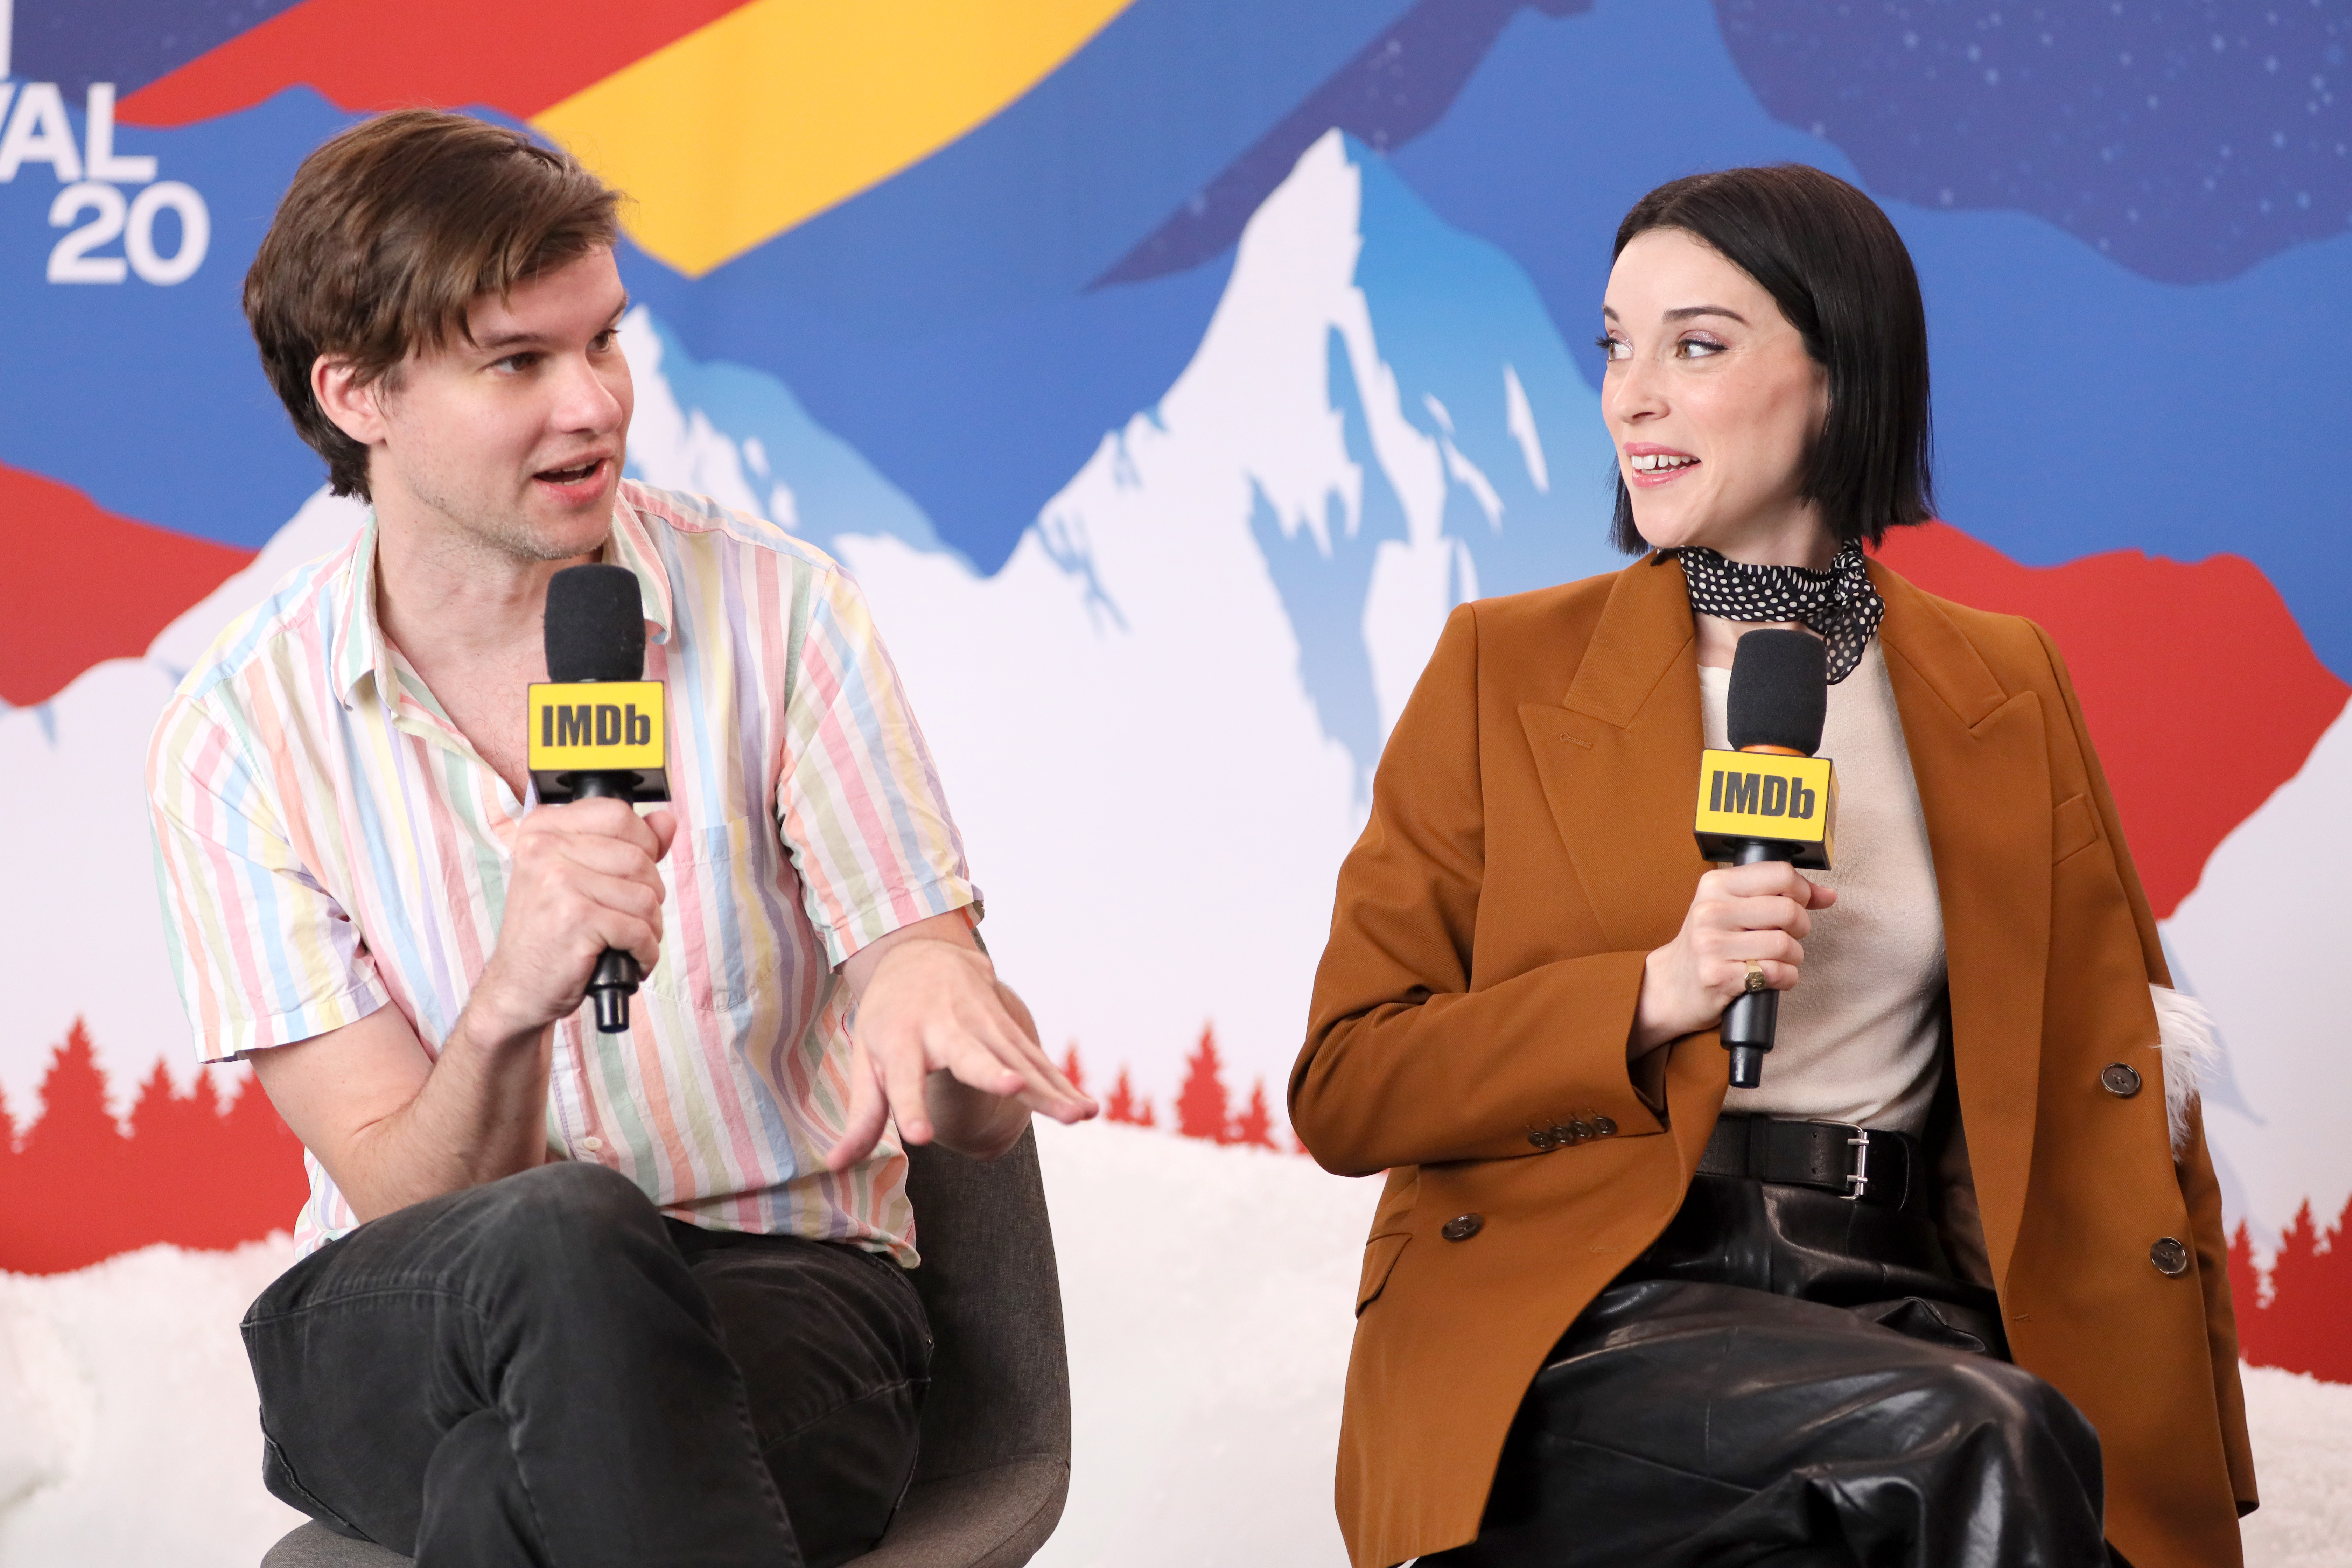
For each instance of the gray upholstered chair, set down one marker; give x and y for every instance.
(995, 1463)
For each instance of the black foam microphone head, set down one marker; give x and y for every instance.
(1779, 691)
(596, 625)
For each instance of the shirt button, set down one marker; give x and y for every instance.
(1463, 1226)
(1541, 1139)
(1602, 1127)
(2169, 1256)
(2120, 1080)
(593, 1143)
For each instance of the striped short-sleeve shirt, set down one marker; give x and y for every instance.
(329, 843)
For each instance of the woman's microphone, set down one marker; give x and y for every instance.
(1769, 798)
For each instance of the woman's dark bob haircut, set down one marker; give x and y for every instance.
(1840, 273)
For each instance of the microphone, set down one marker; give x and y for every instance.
(596, 725)
(1769, 798)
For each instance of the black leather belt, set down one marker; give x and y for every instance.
(1864, 1165)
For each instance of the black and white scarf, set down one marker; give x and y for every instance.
(1839, 603)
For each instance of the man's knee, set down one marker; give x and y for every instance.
(566, 1216)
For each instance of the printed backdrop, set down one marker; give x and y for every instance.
(1166, 370)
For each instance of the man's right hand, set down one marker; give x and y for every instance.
(395, 1125)
(585, 877)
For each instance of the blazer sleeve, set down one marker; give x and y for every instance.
(2199, 1189)
(1410, 1059)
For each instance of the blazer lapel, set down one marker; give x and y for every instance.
(1619, 758)
(1618, 762)
(1983, 771)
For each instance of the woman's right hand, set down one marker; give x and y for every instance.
(1759, 913)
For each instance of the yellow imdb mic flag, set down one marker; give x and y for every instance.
(598, 727)
(1744, 796)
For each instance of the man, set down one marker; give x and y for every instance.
(565, 1296)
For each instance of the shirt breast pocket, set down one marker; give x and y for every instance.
(720, 942)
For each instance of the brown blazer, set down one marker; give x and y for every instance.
(1530, 842)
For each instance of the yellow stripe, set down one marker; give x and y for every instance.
(780, 110)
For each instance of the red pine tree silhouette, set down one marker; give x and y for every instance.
(1122, 1101)
(2300, 1327)
(80, 1190)
(1148, 1117)
(1070, 1070)
(2303, 1327)
(1202, 1106)
(1255, 1125)
(2245, 1280)
(2329, 1306)
(74, 1125)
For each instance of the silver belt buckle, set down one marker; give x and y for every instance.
(1859, 1178)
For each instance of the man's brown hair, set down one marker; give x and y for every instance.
(389, 232)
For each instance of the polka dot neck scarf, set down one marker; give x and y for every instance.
(1839, 603)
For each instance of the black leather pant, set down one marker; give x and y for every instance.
(1786, 1378)
(546, 1370)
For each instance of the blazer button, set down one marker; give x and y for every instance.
(1602, 1127)
(2169, 1256)
(2120, 1080)
(1542, 1139)
(1463, 1226)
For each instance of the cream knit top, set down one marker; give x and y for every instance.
(1858, 1037)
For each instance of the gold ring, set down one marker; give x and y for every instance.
(1755, 976)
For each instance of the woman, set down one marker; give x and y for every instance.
(1612, 1311)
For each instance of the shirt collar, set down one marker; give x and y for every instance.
(631, 545)
(363, 654)
(360, 651)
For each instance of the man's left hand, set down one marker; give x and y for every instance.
(944, 1049)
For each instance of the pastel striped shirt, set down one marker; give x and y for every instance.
(328, 842)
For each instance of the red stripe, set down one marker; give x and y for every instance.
(86, 585)
(518, 57)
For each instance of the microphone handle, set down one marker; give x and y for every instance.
(1754, 1017)
(617, 976)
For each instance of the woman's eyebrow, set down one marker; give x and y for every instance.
(1687, 311)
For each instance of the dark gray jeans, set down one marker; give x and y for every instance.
(547, 1369)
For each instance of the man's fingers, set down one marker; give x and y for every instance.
(903, 1072)
(1015, 1008)
(607, 856)
(595, 899)
(596, 925)
(635, 938)
(603, 818)
(1011, 1039)
(665, 829)
(1032, 1050)
(996, 1067)
(867, 1112)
